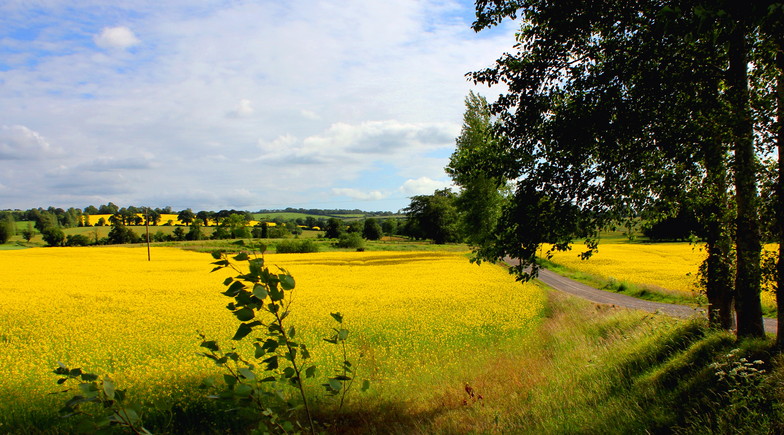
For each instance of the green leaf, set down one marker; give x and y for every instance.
(246, 373)
(229, 379)
(337, 316)
(260, 291)
(310, 372)
(243, 390)
(243, 330)
(272, 362)
(211, 345)
(216, 255)
(245, 314)
(292, 332)
(343, 334)
(259, 352)
(334, 384)
(228, 281)
(89, 377)
(129, 414)
(88, 387)
(108, 388)
(289, 372)
(242, 256)
(365, 386)
(286, 281)
(305, 352)
(276, 294)
(270, 345)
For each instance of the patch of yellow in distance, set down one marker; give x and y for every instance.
(107, 309)
(672, 266)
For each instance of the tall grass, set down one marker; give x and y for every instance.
(595, 369)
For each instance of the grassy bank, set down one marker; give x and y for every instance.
(592, 369)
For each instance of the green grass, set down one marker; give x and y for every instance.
(590, 369)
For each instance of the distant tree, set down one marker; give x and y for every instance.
(77, 240)
(120, 234)
(372, 230)
(389, 226)
(205, 216)
(434, 216)
(350, 240)
(90, 209)
(53, 236)
(334, 228)
(178, 234)
(186, 216)
(45, 220)
(481, 197)
(153, 216)
(109, 208)
(311, 222)
(7, 227)
(29, 232)
(194, 233)
(101, 222)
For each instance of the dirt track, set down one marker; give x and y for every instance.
(579, 289)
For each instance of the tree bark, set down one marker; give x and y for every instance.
(780, 193)
(747, 235)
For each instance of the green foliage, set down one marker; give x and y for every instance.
(334, 228)
(296, 246)
(77, 240)
(433, 217)
(261, 303)
(53, 236)
(350, 240)
(97, 404)
(7, 227)
(120, 234)
(28, 233)
(371, 229)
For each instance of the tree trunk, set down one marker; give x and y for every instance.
(780, 193)
(717, 215)
(747, 235)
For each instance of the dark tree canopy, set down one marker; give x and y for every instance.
(616, 109)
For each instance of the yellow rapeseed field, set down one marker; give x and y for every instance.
(671, 266)
(109, 310)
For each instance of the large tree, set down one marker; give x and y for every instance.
(481, 195)
(433, 217)
(615, 107)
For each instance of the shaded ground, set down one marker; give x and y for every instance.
(579, 289)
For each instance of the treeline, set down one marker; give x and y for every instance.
(189, 225)
(328, 212)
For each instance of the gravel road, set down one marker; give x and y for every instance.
(579, 289)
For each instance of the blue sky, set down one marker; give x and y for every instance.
(234, 104)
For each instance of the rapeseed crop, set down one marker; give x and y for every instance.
(671, 266)
(417, 317)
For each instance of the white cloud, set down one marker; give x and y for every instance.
(309, 114)
(352, 193)
(243, 110)
(116, 38)
(18, 142)
(422, 186)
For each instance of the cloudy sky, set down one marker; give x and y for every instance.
(244, 104)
